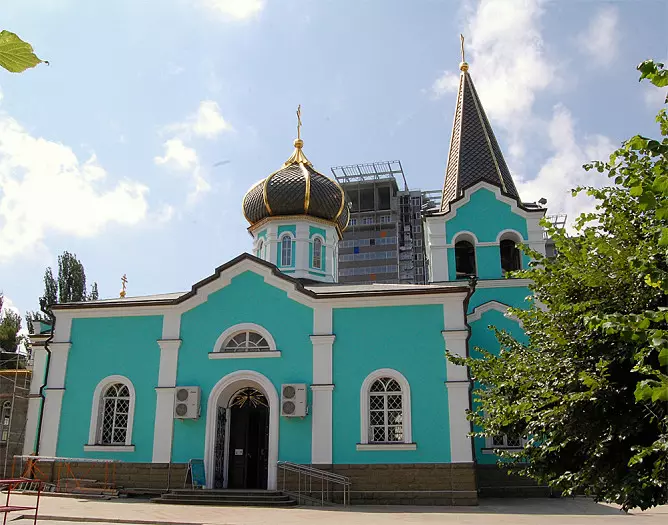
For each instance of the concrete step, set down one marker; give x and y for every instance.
(254, 497)
(245, 498)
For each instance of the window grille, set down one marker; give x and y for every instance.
(286, 251)
(317, 253)
(506, 441)
(115, 415)
(6, 417)
(385, 411)
(246, 341)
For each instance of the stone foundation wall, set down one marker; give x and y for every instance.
(118, 475)
(392, 484)
(495, 482)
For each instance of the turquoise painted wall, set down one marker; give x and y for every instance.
(485, 216)
(483, 337)
(102, 347)
(415, 347)
(247, 299)
(293, 230)
(512, 296)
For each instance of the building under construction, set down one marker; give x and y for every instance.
(384, 242)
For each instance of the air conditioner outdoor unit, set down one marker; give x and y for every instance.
(186, 402)
(293, 400)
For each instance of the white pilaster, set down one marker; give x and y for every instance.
(301, 246)
(164, 416)
(436, 249)
(458, 385)
(34, 402)
(53, 402)
(322, 387)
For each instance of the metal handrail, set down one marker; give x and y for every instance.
(310, 473)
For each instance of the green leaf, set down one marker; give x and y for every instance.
(636, 191)
(663, 357)
(660, 393)
(15, 54)
(663, 240)
(643, 391)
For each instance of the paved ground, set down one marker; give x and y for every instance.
(499, 511)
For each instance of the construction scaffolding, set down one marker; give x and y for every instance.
(14, 394)
(384, 241)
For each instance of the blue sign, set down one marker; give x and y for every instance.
(196, 467)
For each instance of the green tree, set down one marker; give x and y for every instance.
(94, 294)
(50, 287)
(589, 388)
(10, 324)
(71, 279)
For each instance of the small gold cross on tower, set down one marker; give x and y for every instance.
(299, 121)
(463, 65)
(124, 281)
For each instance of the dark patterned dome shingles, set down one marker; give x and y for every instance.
(286, 195)
(286, 190)
(254, 209)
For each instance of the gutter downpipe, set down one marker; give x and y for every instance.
(473, 281)
(49, 313)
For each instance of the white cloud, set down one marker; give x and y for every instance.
(206, 122)
(235, 9)
(563, 169)
(45, 189)
(446, 83)
(178, 156)
(600, 41)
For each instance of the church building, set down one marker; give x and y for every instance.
(269, 361)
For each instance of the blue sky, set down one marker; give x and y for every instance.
(134, 148)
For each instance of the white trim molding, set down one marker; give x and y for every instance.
(96, 415)
(241, 327)
(405, 404)
(243, 355)
(513, 235)
(322, 389)
(386, 446)
(503, 283)
(109, 448)
(481, 309)
(221, 394)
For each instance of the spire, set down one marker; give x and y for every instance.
(474, 154)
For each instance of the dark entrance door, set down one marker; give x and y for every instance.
(249, 440)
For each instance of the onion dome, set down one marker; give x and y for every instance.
(297, 189)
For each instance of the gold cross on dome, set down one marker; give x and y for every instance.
(461, 38)
(124, 282)
(299, 120)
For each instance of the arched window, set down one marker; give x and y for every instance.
(464, 259)
(511, 259)
(386, 411)
(6, 419)
(112, 415)
(317, 253)
(286, 251)
(115, 415)
(259, 253)
(246, 341)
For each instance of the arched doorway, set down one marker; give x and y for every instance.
(244, 441)
(242, 414)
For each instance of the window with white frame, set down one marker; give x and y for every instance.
(260, 245)
(417, 229)
(6, 419)
(385, 411)
(246, 341)
(418, 242)
(506, 441)
(286, 250)
(367, 220)
(115, 415)
(353, 222)
(317, 253)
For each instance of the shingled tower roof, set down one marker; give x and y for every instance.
(474, 155)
